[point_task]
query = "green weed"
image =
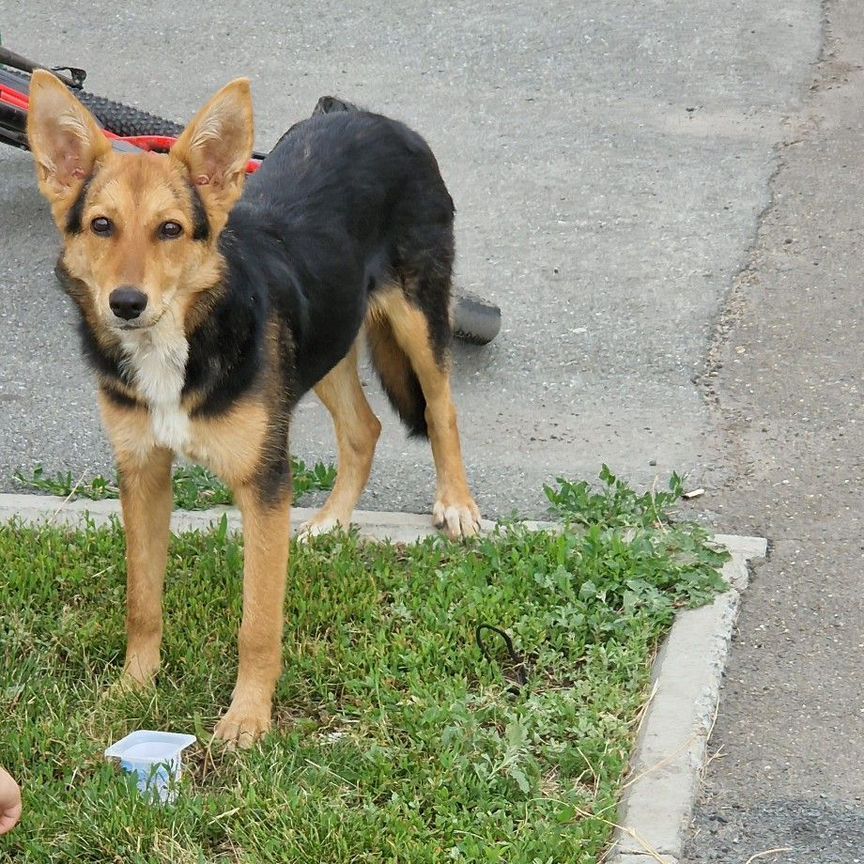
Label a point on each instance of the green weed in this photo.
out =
(195, 488)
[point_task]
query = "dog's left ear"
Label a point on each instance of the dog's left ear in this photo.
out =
(217, 145)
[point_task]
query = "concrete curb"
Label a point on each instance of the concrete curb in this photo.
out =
(666, 768)
(41, 509)
(670, 749)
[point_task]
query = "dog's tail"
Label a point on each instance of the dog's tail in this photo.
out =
(397, 376)
(331, 104)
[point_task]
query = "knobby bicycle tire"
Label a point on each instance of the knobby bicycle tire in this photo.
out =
(125, 120)
(114, 116)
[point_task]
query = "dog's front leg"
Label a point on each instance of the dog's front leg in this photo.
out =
(146, 499)
(266, 536)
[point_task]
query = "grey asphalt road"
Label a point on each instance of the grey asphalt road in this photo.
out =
(785, 383)
(665, 198)
(608, 163)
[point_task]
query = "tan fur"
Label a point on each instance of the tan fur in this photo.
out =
(267, 533)
(454, 507)
(357, 430)
(146, 498)
(65, 139)
(139, 193)
(388, 357)
(215, 149)
(229, 445)
(129, 430)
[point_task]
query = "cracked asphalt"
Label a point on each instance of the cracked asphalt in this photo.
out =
(784, 382)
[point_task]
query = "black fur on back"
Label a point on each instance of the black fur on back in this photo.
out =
(358, 203)
(429, 248)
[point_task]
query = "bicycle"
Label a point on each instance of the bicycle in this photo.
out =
(476, 320)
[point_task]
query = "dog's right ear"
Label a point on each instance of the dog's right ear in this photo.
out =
(216, 146)
(65, 139)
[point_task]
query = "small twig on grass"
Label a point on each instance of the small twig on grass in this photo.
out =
(103, 571)
(658, 521)
(596, 784)
(642, 713)
(68, 498)
(328, 770)
(208, 754)
(662, 762)
(758, 855)
(230, 812)
(646, 847)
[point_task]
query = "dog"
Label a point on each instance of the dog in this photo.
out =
(210, 304)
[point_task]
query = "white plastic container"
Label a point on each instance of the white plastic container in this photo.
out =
(155, 758)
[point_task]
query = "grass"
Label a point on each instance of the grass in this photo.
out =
(399, 737)
(195, 488)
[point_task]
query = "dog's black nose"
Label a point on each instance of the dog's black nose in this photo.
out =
(127, 302)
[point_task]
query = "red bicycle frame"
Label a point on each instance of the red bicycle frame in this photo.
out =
(19, 101)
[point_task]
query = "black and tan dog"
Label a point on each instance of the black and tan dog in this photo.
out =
(209, 309)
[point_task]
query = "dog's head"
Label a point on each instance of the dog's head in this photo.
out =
(139, 229)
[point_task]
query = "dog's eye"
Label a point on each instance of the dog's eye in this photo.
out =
(102, 226)
(170, 230)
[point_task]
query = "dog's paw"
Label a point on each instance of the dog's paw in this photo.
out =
(243, 725)
(460, 519)
(318, 524)
(139, 671)
(126, 684)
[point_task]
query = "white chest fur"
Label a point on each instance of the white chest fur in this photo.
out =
(156, 358)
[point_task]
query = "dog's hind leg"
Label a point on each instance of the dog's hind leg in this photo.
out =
(455, 509)
(357, 430)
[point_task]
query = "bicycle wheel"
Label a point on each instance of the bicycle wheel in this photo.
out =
(475, 320)
(114, 116)
(124, 119)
